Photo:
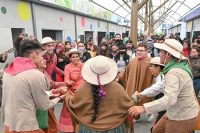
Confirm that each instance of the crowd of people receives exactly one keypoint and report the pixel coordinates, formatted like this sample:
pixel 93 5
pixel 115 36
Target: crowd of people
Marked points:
pixel 103 88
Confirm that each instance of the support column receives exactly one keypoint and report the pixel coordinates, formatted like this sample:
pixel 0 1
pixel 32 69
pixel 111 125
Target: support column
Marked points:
pixel 146 22
pixel 151 29
pixel 34 20
pixel 134 21
pixel 150 19
pixel 151 25
pixel 146 17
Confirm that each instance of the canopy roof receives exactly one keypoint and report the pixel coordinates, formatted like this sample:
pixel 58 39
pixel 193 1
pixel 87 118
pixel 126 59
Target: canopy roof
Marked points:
pixel 170 12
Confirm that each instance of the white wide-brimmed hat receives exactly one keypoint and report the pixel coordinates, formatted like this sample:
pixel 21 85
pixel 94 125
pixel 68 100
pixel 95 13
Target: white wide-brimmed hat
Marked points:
pixel 47 40
pixel 173 47
pixel 99 70
pixel 156 61
pixel 73 51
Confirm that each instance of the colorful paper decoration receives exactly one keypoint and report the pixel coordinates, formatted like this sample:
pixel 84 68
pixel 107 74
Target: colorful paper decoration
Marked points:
pixel 24 11
pixel 3 10
pixel 82 21
pixel 61 19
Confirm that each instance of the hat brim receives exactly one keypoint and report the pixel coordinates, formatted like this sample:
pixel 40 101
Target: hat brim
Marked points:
pixel 48 42
pixel 173 52
pixel 73 52
pixel 106 78
pixel 154 63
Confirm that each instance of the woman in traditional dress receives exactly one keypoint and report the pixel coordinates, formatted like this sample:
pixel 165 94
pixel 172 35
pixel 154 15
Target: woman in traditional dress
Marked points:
pixel 74 80
pixel 100 104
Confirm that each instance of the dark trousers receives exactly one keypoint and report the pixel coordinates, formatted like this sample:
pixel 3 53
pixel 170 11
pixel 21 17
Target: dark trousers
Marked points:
pixel 196 83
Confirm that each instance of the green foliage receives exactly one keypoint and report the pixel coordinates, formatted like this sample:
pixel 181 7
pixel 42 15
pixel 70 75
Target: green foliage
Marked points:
pixel 64 3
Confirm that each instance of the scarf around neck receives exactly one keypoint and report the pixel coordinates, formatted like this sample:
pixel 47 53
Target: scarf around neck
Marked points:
pixel 174 64
pixel 19 65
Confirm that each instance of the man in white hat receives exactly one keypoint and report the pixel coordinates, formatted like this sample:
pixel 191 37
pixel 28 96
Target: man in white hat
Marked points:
pixel 179 98
pixel 51 58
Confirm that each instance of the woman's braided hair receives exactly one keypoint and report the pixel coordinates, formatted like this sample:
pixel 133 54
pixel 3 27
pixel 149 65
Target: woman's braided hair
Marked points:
pixel 96 101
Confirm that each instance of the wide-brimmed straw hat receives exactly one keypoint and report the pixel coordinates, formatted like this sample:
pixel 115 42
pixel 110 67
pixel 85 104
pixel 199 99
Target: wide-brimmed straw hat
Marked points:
pixel 99 70
pixel 156 61
pixel 173 47
pixel 73 51
pixel 47 40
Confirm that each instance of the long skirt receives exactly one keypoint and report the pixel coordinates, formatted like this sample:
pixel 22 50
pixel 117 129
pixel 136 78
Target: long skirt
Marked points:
pixel 119 129
pixel 6 130
pixel 65 123
pixel 52 122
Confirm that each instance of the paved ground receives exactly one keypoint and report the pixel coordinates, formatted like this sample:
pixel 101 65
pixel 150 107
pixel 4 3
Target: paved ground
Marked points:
pixel 141 126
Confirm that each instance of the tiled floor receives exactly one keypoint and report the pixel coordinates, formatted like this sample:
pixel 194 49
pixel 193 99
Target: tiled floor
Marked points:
pixel 141 126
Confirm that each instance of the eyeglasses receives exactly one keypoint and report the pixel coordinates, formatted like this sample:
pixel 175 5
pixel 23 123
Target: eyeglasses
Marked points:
pixel 81 46
pixel 137 50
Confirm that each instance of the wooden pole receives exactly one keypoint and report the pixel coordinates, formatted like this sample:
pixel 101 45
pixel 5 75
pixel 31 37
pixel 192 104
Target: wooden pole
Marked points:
pixel 134 21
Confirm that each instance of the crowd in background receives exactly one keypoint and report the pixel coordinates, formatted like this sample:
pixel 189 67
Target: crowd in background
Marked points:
pixel 63 63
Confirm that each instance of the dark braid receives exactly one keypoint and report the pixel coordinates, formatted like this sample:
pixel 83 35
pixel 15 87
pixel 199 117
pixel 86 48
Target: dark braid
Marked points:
pixel 96 101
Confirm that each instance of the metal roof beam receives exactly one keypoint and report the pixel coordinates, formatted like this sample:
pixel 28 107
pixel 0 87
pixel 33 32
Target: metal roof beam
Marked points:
pixel 178 7
pixel 139 16
pixel 152 12
pixel 175 12
pixel 121 6
pixel 164 14
pixel 162 19
pixel 157 25
pixel 118 8
pixel 184 4
pixel 108 10
pixel 142 4
pixel 165 18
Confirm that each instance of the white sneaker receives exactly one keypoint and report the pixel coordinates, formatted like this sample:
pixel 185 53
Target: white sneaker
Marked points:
pixel 134 121
pixel 150 117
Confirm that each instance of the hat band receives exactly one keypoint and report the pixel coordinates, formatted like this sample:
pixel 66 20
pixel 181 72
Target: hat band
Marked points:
pixel 102 93
pixel 172 47
pixel 99 73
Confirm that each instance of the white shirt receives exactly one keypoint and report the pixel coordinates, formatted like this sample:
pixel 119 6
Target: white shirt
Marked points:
pixel 156 88
pixel 121 64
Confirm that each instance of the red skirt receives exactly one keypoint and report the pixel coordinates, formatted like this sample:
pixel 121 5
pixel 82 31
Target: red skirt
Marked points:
pixel 65 123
